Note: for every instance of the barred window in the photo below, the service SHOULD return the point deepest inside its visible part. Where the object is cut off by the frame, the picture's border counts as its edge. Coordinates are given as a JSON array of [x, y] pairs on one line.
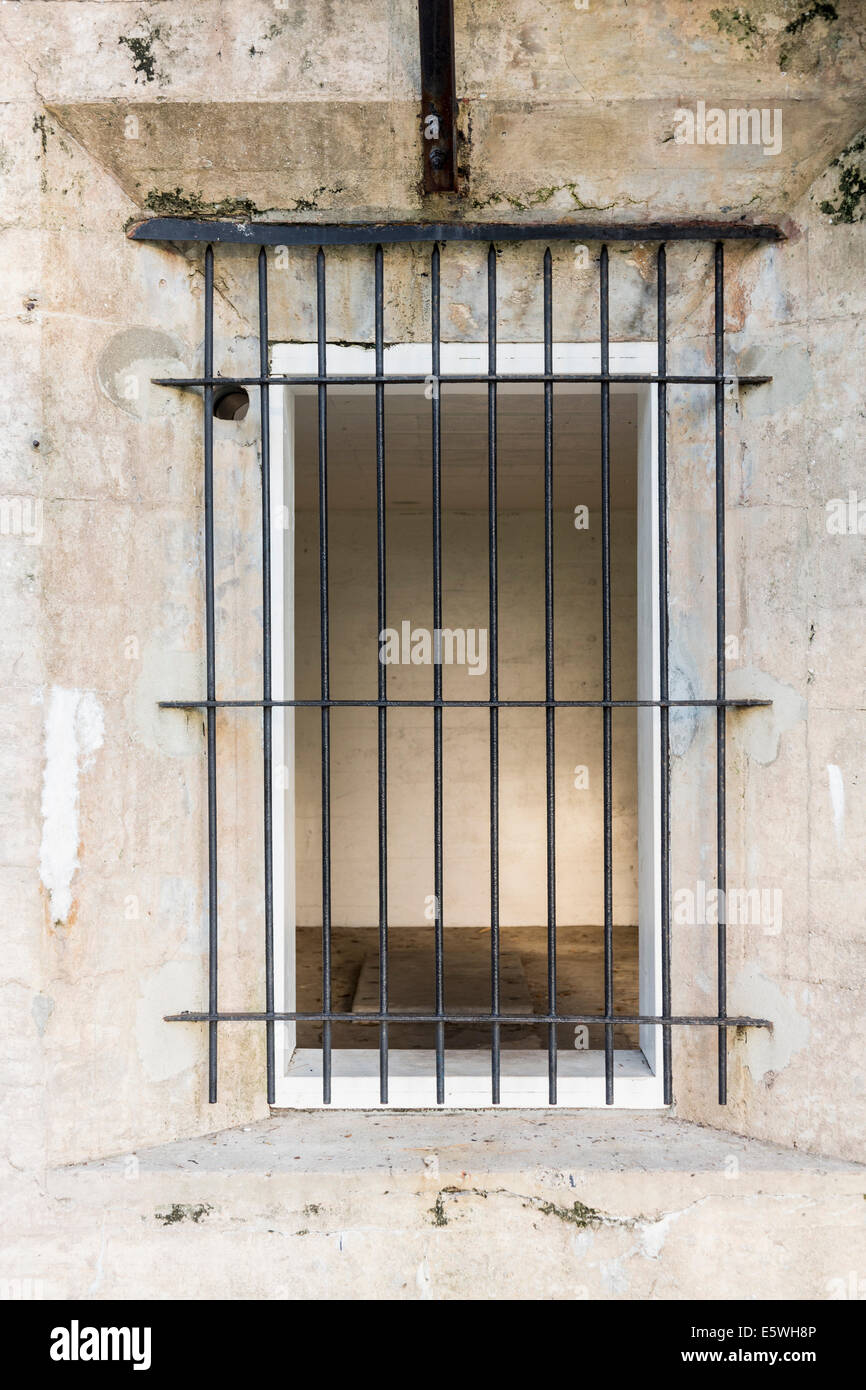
[[465, 691]]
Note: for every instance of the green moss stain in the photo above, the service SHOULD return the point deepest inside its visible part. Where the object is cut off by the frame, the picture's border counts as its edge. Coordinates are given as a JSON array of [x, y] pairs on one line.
[[578, 1214], [851, 198], [311, 204], [43, 130], [182, 1211], [818, 11], [40, 128], [852, 191], [437, 1211], [796, 30], [758, 26], [539, 197], [738, 25], [141, 51], [276, 27], [176, 203]]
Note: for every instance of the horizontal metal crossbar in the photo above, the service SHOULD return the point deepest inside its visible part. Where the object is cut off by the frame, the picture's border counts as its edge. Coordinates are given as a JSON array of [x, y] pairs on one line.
[[684, 1020], [388, 233], [464, 704], [468, 378]]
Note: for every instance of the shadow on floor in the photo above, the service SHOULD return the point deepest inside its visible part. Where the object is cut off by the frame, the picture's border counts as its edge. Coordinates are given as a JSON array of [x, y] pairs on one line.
[[580, 983]]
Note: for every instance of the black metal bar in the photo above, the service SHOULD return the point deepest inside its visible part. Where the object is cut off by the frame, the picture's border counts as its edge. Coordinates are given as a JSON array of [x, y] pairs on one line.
[[439, 938], [493, 624], [382, 677], [325, 674], [184, 229], [470, 378], [267, 707], [549, 672], [676, 1021], [721, 851], [438, 95], [470, 704], [664, 686], [210, 644], [606, 675]]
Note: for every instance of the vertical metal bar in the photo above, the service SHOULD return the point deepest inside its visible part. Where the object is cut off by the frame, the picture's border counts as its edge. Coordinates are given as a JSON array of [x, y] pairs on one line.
[[210, 642], [267, 712], [664, 682], [493, 623], [549, 675], [322, 392], [438, 95], [437, 680], [720, 667], [606, 695], [382, 677]]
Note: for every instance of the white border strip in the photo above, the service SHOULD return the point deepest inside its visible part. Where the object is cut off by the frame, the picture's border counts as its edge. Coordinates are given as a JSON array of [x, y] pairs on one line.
[[412, 1073]]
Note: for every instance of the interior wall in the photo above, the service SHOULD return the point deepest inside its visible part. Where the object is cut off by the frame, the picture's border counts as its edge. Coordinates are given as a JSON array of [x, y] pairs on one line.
[[578, 674]]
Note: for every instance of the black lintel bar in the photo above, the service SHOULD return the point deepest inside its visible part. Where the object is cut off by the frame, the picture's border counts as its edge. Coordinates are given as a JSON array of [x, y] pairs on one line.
[[438, 95], [684, 1020], [372, 233]]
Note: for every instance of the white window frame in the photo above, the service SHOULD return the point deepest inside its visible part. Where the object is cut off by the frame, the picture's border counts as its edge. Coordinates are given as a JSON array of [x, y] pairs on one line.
[[412, 1074]]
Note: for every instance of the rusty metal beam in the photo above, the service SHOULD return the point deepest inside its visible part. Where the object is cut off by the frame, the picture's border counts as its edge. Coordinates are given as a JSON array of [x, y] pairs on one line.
[[438, 98], [183, 229]]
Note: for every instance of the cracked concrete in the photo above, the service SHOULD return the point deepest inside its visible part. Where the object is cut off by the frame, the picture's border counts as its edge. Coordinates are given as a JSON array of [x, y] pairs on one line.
[[333, 1205]]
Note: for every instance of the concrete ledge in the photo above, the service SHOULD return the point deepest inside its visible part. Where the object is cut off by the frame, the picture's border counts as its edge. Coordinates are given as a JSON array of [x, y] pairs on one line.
[[357, 1205]]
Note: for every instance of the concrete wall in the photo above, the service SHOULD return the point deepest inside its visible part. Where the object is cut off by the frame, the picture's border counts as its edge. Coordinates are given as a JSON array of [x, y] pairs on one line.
[[104, 861], [793, 796]]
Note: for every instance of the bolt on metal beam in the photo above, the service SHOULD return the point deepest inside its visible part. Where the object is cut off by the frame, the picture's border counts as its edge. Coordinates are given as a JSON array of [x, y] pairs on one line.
[[438, 99]]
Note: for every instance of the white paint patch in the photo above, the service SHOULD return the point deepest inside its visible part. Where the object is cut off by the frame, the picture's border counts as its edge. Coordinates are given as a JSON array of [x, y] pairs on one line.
[[653, 1234], [41, 1009], [760, 731], [767, 1050], [167, 1049], [168, 675], [99, 1270], [837, 800], [431, 1165], [423, 1282], [582, 1243], [74, 730], [613, 1276]]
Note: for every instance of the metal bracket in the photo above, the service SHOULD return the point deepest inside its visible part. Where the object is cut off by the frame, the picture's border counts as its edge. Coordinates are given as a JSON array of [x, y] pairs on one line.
[[438, 100]]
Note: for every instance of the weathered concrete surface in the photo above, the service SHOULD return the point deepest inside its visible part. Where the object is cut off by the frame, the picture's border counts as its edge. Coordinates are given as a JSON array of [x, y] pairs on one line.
[[105, 607], [313, 108], [436, 1207]]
